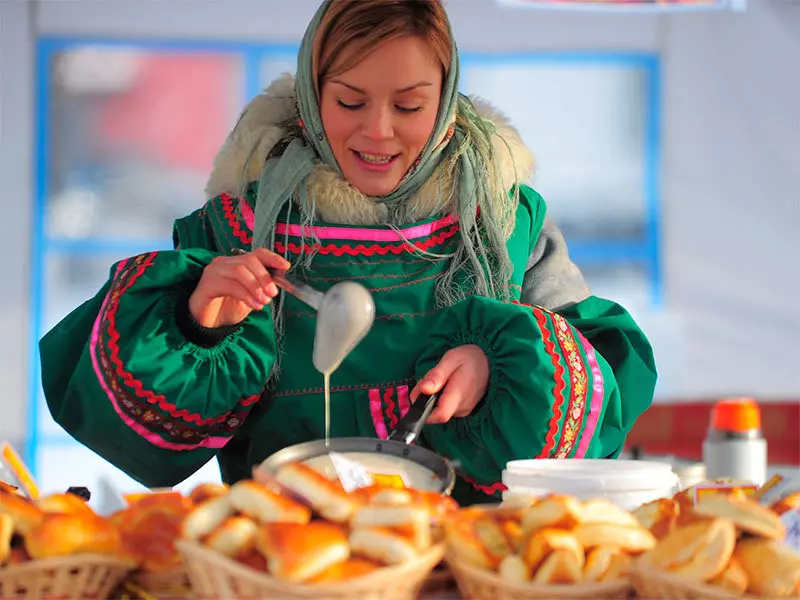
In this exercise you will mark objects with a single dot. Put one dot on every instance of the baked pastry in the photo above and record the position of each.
(382, 545)
(772, 568)
(296, 552)
(25, 514)
(6, 533)
(659, 517)
(606, 512)
(206, 517)
(562, 512)
(68, 534)
(262, 504)
(559, 568)
(207, 491)
(746, 515)
(326, 497)
(351, 568)
(64, 504)
(633, 540)
(605, 563)
(545, 542)
(234, 537)
(411, 521)
(733, 578)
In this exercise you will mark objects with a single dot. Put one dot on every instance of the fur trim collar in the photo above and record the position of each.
(260, 127)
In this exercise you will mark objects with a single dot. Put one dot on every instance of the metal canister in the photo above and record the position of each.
(734, 446)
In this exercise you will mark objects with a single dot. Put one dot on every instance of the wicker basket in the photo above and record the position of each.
(478, 584)
(656, 584)
(86, 576)
(439, 584)
(216, 576)
(165, 584)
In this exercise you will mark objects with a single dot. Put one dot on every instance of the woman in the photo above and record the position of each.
(370, 166)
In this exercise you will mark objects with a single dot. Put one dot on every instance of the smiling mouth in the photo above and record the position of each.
(376, 159)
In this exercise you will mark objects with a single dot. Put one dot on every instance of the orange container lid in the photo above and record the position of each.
(736, 414)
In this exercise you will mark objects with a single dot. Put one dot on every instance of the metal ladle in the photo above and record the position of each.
(345, 314)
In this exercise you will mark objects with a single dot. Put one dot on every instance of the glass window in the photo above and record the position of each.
(586, 126)
(132, 136)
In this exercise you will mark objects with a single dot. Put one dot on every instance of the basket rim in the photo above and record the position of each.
(602, 589)
(702, 588)
(62, 562)
(429, 558)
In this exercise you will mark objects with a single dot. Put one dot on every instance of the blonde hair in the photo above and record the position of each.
(350, 29)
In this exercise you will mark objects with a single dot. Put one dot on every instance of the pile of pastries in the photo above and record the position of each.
(301, 527)
(728, 541)
(557, 540)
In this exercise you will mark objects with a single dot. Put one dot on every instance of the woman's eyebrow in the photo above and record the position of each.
(400, 91)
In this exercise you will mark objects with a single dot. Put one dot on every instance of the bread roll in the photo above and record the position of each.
(633, 540)
(546, 541)
(563, 512)
(513, 569)
(560, 568)
(25, 514)
(733, 578)
(207, 491)
(326, 497)
(296, 552)
(784, 505)
(352, 568)
(604, 511)
(235, 536)
(266, 506)
(746, 515)
(411, 521)
(207, 517)
(64, 504)
(700, 551)
(772, 568)
(6, 533)
(68, 534)
(659, 517)
(464, 542)
(604, 563)
(382, 545)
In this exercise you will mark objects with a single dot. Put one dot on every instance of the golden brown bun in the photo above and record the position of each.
(26, 514)
(266, 506)
(344, 571)
(6, 533)
(296, 552)
(64, 504)
(513, 532)
(746, 515)
(605, 511)
(659, 517)
(546, 541)
(411, 521)
(513, 569)
(772, 568)
(733, 578)
(464, 542)
(235, 536)
(381, 495)
(206, 517)
(382, 545)
(605, 563)
(326, 497)
(699, 551)
(784, 505)
(633, 540)
(67, 534)
(563, 512)
(559, 568)
(207, 491)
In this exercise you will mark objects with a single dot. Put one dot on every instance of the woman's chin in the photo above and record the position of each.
(377, 186)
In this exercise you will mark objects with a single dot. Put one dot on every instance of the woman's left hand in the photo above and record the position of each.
(463, 374)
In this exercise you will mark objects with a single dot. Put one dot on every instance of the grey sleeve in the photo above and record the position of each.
(551, 279)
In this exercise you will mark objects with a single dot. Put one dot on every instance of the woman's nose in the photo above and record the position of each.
(378, 125)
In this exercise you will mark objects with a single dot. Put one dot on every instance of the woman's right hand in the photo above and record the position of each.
(231, 287)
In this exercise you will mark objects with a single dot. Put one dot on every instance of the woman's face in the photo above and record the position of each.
(379, 115)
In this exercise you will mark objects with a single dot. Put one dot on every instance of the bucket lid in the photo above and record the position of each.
(582, 475)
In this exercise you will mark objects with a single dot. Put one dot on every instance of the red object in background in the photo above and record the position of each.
(177, 112)
(679, 430)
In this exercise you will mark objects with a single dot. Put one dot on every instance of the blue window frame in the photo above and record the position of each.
(259, 62)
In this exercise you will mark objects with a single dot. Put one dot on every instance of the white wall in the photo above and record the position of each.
(731, 207)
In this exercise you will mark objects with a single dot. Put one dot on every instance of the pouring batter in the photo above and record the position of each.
(369, 167)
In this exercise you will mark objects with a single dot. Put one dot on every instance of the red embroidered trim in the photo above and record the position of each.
(486, 489)
(229, 211)
(136, 385)
(578, 385)
(558, 392)
(362, 250)
(390, 406)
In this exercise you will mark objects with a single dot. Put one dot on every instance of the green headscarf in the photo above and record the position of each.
(483, 252)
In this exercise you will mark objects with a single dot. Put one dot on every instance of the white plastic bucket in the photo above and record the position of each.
(628, 483)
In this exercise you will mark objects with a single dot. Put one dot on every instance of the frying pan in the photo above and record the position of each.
(399, 445)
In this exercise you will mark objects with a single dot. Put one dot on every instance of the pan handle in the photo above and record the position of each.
(410, 426)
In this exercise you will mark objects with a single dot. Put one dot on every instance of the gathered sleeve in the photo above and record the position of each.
(567, 385)
(120, 375)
